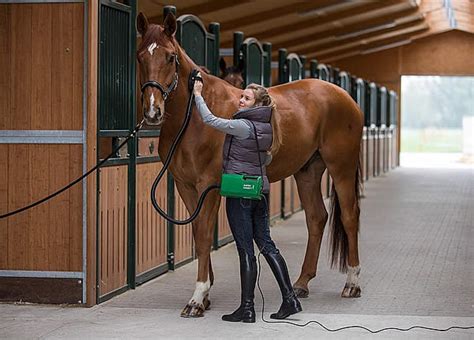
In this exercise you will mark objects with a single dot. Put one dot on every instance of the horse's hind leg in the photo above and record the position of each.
(308, 181)
(345, 225)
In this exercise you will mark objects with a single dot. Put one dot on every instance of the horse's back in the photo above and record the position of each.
(314, 115)
(318, 103)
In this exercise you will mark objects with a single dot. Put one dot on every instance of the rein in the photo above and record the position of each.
(193, 76)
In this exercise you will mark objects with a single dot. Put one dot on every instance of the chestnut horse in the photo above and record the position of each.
(321, 128)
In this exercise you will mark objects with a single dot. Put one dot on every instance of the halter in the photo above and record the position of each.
(171, 88)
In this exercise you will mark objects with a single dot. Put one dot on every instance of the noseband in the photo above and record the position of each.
(155, 84)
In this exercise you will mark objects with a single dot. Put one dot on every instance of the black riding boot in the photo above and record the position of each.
(248, 277)
(290, 304)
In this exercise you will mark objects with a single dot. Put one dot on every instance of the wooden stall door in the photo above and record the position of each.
(41, 151)
(113, 223)
(151, 228)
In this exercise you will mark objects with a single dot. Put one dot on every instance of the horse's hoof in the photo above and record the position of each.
(193, 310)
(301, 292)
(207, 303)
(351, 292)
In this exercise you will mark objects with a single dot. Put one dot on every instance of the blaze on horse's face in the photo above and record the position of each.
(156, 56)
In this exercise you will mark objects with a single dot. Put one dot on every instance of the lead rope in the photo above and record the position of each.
(131, 135)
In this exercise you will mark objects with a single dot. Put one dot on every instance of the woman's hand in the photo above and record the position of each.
(197, 87)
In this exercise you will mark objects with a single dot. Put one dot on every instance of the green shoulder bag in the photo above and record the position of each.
(240, 185)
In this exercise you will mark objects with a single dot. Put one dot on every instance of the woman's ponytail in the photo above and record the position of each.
(263, 98)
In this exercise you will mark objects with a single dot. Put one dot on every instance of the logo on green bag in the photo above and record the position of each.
(248, 186)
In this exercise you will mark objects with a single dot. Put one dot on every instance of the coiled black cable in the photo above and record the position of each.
(332, 330)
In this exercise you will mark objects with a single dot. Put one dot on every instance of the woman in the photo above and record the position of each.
(248, 219)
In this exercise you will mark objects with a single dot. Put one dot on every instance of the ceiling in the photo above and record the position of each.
(326, 30)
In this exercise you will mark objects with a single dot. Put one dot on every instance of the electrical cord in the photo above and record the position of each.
(332, 330)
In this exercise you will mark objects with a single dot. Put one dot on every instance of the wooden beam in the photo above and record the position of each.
(407, 23)
(329, 32)
(202, 8)
(278, 12)
(365, 44)
(308, 24)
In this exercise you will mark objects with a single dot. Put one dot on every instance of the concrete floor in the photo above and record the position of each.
(416, 256)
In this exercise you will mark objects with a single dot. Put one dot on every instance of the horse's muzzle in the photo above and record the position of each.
(153, 117)
(154, 121)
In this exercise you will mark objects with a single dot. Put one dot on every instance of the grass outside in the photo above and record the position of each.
(431, 140)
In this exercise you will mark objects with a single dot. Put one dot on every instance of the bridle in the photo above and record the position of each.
(155, 84)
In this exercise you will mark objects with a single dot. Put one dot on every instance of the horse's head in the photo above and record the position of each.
(232, 74)
(157, 56)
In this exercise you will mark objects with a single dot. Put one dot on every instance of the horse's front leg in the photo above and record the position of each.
(203, 233)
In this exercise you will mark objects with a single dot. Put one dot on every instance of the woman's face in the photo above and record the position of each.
(247, 99)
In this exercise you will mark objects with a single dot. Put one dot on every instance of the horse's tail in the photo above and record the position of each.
(338, 238)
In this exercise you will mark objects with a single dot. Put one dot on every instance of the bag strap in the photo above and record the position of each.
(258, 147)
(228, 153)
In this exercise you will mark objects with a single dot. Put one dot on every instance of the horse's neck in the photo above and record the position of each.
(220, 97)
(217, 93)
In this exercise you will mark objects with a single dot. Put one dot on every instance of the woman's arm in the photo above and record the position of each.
(239, 127)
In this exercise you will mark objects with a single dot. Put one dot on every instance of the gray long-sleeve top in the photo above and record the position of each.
(240, 128)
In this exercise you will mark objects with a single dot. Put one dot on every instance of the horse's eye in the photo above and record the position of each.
(171, 58)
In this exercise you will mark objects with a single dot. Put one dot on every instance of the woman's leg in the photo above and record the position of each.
(261, 232)
(239, 214)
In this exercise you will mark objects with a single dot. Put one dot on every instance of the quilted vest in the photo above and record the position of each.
(241, 155)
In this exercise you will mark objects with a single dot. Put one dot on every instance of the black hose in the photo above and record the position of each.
(174, 145)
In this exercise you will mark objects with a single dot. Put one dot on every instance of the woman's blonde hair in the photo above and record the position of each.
(262, 98)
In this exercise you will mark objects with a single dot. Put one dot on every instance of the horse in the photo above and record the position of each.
(321, 129)
(232, 74)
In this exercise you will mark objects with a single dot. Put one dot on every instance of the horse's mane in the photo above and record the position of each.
(153, 34)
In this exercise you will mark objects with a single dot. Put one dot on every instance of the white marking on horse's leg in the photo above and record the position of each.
(353, 276)
(202, 289)
(152, 47)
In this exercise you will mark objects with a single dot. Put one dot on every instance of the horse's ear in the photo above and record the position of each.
(222, 65)
(170, 24)
(142, 24)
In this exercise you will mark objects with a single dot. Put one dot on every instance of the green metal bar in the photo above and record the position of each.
(283, 70)
(303, 62)
(149, 133)
(168, 9)
(267, 66)
(153, 159)
(282, 66)
(132, 147)
(151, 274)
(114, 133)
(313, 68)
(115, 162)
(97, 176)
(238, 41)
(214, 28)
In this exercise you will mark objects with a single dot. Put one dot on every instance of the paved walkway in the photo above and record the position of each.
(416, 255)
